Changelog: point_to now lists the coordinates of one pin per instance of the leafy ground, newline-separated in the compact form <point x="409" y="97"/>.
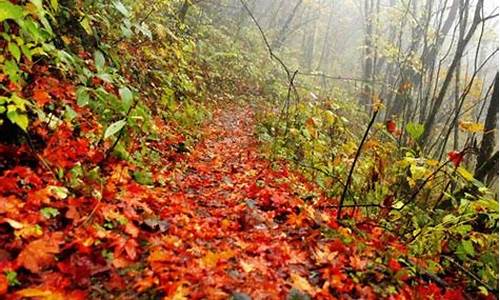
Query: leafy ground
<point x="224" y="222"/>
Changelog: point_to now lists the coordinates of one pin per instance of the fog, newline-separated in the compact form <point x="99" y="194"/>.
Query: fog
<point x="431" y="62"/>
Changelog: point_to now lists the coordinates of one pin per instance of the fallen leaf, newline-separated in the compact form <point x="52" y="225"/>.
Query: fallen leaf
<point x="302" y="284"/>
<point x="40" y="253"/>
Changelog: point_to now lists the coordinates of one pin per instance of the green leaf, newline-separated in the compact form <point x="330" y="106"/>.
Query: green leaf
<point x="99" y="59"/>
<point x="85" y="22"/>
<point x="69" y="113"/>
<point x="12" y="278"/>
<point x="49" y="212"/>
<point x="59" y="192"/>
<point x="10" y="11"/>
<point x="415" y="130"/>
<point x="466" y="248"/>
<point x="144" y="178"/>
<point x="126" y="96"/>
<point x="114" y="128"/>
<point x="15" y="51"/>
<point x="82" y="97"/>
<point x="20" y="119"/>
<point x="463" y="229"/>
<point x="26" y="51"/>
<point x="10" y="67"/>
<point x="121" y="8"/>
<point x="54" y="4"/>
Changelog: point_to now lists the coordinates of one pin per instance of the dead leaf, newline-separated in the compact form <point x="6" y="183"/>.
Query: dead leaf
<point x="40" y="253"/>
<point x="302" y="284"/>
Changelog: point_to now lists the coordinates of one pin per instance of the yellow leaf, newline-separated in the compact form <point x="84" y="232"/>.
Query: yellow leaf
<point x="471" y="126"/>
<point x="14" y="224"/>
<point x="180" y="293"/>
<point x="432" y="162"/>
<point x="418" y="172"/>
<point x="247" y="267"/>
<point x="329" y="117"/>
<point x="465" y="174"/>
<point x="311" y="125"/>
<point x="40" y="294"/>
<point x="377" y="103"/>
<point x="302" y="284"/>
<point x="211" y="259"/>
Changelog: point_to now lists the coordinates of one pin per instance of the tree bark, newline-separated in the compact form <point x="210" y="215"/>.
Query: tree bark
<point x="488" y="142"/>
<point x="462" y="44"/>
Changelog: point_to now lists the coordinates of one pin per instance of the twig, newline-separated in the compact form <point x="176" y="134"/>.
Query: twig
<point x="472" y="275"/>
<point x="358" y="153"/>
<point x="268" y="45"/>
<point x="337" y="77"/>
<point x="38" y="156"/>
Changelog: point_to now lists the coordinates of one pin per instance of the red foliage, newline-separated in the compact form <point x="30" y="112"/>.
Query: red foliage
<point x="456" y="157"/>
<point x="217" y="221"/>
<point x="391" y="126"/>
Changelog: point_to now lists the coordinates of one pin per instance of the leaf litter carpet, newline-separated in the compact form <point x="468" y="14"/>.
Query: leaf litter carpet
<point x="225" y="223"/>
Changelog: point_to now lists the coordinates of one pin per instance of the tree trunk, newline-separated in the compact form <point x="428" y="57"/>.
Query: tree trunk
<point x="280" y="38"/>
<point x="462" y="44"/>
<point x="489" y="137"/>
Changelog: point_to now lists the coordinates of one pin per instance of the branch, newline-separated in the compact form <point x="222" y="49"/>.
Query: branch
<point x="269" y="48"/>
<point x="472" y="275"/>
<point x="358" y="153"/>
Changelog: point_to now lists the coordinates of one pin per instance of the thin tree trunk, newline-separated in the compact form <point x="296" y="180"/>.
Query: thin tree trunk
<point x="462" y="44"/>
<point x="489" y="137"/>
<point x="280" y="38"/>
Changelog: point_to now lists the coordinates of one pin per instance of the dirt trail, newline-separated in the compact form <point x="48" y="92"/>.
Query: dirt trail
<point x="228" y="220"/>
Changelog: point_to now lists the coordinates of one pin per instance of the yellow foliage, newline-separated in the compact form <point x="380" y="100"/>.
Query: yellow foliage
<point x="471" y="126"/>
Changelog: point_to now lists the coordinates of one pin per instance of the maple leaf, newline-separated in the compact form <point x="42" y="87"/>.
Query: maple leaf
<point x="456" y="157"/>
<point x="41" y="97"/>
<point x="211" y="259"/>
<point x="302" y="284"/>
<point x="357" y="263"/>
<point x="40" y="253"/>
<point x="131" y="248"/>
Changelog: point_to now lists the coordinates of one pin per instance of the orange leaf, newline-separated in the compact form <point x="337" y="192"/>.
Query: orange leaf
<point x="41" y="294"/>
<point x="4" y="284"/>
<point x="40" y="253"/>
<point x="302" y="284"/>
<point x="131" y="249"/>
<point x="131" y="229"/>
<point x="41" y="97"/>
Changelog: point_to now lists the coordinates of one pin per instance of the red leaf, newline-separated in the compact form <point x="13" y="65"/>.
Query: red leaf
<point x="394" y="265"/>
<point x="391" y="126"/>
<point x="456" y="157"/>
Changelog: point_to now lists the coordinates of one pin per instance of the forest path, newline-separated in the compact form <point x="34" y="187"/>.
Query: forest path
<point x="239" y="225"/>
<point x="230" y="220"/>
